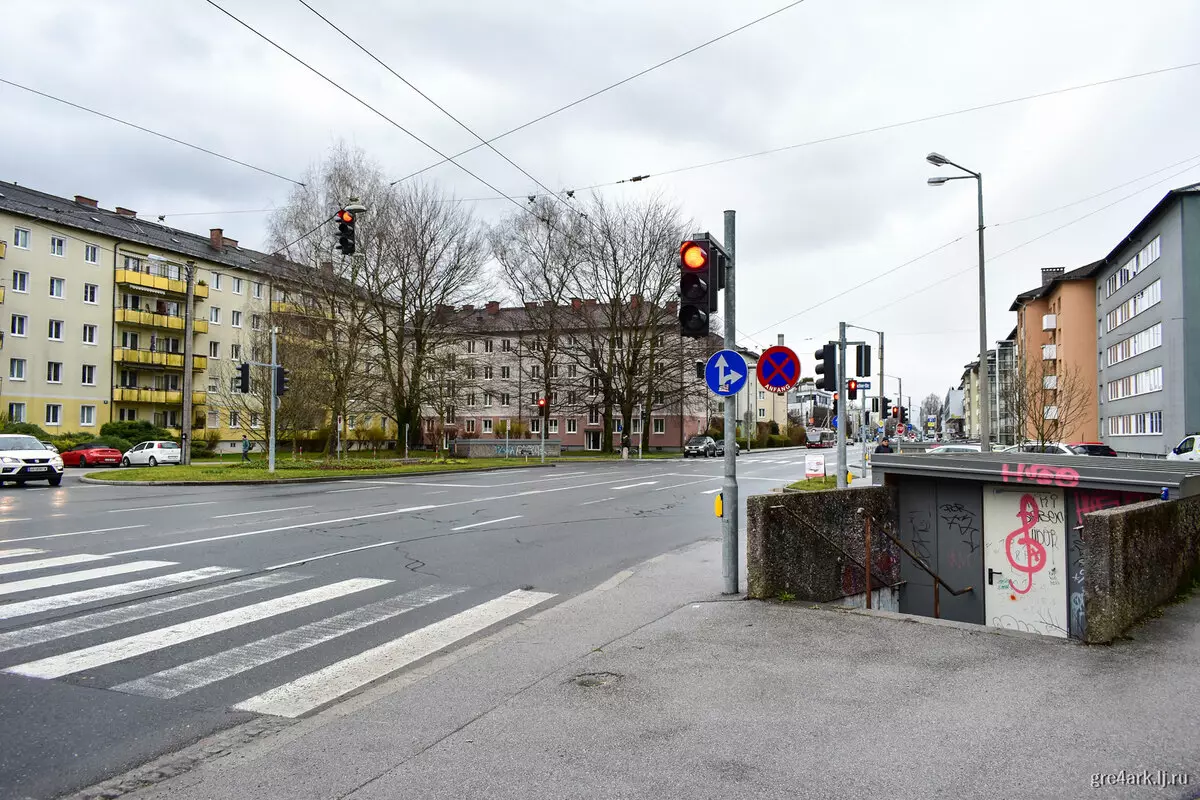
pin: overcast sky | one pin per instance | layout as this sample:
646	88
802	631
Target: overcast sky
812	221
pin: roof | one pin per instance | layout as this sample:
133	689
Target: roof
22	201
1085	272
1160	208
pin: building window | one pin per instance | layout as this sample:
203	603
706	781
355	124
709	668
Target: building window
20	281
235	419
1144	424
58	246
1135	345
762	413
535	425
54	372
16	412
235	352
572	371
127	414
235	319
505	372
660	426
258	289
572	397
553	427
635	425
18	324
216	284
16	369
505	399
54	330
89	334
487	399
1132	385
593	416
487	426
214	384
487	373
533	398
255	322
87	415
21	238
487	345
53	413
91	254
659	398
1146	298
572	425
237	285
214	315
58	287
471	399
470	345
214	419
506	345
89	375
255	419
214	349
535	371
1148	255
90	292
133	263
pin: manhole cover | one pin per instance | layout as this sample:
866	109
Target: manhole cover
591	680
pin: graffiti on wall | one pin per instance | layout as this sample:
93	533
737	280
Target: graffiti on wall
1041	474
1025	559
960	521
1085	501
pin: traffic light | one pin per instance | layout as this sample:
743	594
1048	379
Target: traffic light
904	414
875	404
852	389
541	404
243	378
345	232
281	381
697	287
833	415
826	367
862	360
895	411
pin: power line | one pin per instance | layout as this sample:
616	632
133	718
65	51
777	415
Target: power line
214	213
608	88
135	126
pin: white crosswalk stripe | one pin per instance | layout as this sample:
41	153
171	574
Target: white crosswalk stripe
20	551
41	604
12	567
82	575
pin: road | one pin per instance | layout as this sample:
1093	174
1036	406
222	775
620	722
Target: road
134	620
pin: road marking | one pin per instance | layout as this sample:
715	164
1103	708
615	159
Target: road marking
711	491
148	642
73	533
427	494
266	511
108	592
688	483
331	555
601	500
159	508
82	575
135	611
310	692
632	485
20	551
47	563
486	522
17	519
359	489
196	674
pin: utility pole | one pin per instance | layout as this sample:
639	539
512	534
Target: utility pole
843	410
274	401
882	413
729	488
185	428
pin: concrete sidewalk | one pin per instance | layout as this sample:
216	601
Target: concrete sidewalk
626	692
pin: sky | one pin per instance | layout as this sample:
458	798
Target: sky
813	222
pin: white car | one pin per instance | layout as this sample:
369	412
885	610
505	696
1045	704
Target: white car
954	448
151	454
24	458
1187	450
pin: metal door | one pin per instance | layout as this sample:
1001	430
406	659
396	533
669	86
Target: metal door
1025	559
940	522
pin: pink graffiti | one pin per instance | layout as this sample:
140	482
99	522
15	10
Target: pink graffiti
1035	552
1041	474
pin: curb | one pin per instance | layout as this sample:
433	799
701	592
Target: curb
318	479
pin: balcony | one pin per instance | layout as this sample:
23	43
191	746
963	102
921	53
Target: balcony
1050	412
1049	322
1049	352
151	320
159	282
1050	382
154	358
159	396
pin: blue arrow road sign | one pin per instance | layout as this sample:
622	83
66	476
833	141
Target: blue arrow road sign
725	373
833	422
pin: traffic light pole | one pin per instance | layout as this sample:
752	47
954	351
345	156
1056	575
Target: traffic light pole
729	488
843	409
274	402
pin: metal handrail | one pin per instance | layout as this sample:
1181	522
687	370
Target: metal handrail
920	562
866	570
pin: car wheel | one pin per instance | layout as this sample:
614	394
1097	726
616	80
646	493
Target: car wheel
56	480
82	461
152	461
125	462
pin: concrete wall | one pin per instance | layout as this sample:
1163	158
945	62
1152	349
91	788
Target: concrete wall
1136	558
497	448
784	555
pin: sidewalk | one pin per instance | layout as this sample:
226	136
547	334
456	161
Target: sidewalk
723	698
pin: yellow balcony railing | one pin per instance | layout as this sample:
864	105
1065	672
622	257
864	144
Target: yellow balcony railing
150	319
160	396
127	355
163	284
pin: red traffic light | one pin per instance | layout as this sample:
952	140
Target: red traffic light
541	402
852	385
693	256
344	216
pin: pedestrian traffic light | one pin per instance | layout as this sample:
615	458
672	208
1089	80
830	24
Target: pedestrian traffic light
697	287
862	360
243	378
826	367
852	389
875	404
895	411
833	416
345	232
281	381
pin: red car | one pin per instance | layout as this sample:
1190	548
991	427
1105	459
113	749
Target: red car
91	454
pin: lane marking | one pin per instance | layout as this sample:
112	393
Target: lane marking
47	563
487	522
17	519
82	575
331	555
601	500
188	677
688	483
116	590
427	494
359	489
130	613
20	551
310	692
159	508
73	533
265	511
148	642
632	485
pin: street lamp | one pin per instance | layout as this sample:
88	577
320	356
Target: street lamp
939	160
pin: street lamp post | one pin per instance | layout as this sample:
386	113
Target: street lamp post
938	160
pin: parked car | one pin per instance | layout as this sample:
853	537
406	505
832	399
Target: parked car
1072	449
720	451
954	448
1004	448
152	454
50	446
91	454
24	458
1187	450
1092	449
700	446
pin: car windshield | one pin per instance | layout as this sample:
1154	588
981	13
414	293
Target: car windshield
697	440
11	443
168	446
1092	450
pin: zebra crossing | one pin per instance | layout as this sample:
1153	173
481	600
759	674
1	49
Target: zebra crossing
185	629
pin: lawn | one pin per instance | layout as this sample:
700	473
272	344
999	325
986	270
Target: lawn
815	484
287	468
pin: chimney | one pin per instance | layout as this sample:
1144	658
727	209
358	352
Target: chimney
530	305
216	238
125	212
576	303
326	266
591	302
86	201
1050	273
493	307
225	240
468	308
779	341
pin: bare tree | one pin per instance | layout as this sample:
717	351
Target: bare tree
1047	399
